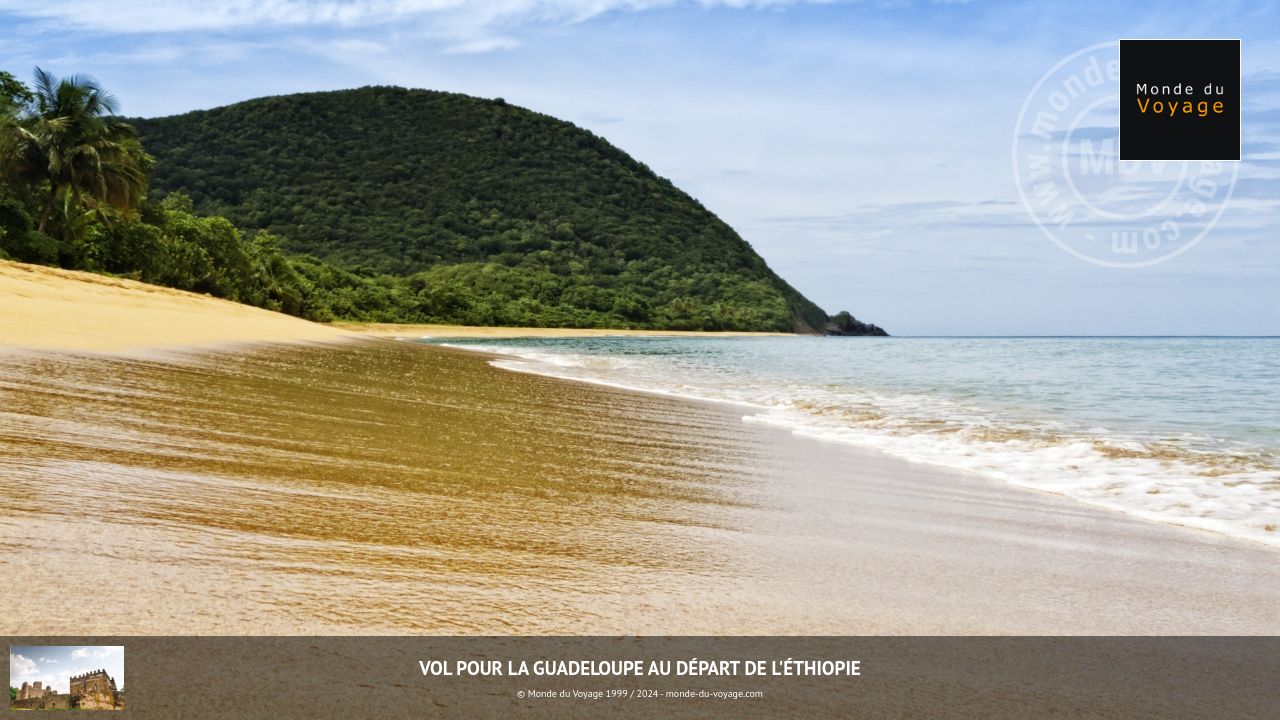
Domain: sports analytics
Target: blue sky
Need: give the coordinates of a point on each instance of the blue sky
(863, 148)
(54, 665)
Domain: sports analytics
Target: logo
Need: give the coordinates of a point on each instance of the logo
(1083, 196)
(1180, 99)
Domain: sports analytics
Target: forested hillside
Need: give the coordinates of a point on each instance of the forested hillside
(377, 205)
(485, 212)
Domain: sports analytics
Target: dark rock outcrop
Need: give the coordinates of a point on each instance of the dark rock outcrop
(842, 323)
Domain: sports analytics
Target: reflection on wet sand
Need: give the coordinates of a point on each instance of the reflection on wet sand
(381, 487)
(361, 486)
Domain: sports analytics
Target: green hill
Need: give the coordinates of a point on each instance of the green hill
(486, 212)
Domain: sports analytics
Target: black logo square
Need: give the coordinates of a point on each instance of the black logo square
(1179, 99)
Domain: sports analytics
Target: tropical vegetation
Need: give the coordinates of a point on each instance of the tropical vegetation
(377, 204)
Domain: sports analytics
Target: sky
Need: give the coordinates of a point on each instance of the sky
(865, 149)
(54, 665)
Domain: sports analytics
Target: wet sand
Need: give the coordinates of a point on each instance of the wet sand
(376, 487)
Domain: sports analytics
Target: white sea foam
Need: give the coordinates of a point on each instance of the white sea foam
(1186, 478)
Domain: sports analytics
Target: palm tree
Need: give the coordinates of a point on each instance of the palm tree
(68, 139)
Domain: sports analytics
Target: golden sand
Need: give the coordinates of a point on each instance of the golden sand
(370, 487)
(54, 309)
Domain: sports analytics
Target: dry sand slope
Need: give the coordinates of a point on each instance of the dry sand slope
(53, 309)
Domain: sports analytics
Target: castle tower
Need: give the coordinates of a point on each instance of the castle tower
(93, 683)
(95, 691)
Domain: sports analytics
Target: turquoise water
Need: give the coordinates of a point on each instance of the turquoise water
(1182, 430)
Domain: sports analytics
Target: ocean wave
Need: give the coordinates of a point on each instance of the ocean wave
(1190, 479)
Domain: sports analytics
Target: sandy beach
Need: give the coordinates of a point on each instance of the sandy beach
(370, 487)
(57, 309)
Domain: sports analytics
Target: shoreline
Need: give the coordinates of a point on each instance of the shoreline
(610, 511)
(418, 332)
(759, 413)
(47, 308)
(373, 487)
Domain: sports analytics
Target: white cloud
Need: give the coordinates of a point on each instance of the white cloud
(470, 26)
(21, 668)
(482, 45)
(61, 680)
(357, 45)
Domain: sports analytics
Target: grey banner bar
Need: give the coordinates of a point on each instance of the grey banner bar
(907, 677)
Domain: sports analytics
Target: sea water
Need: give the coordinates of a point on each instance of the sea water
(1180, 430)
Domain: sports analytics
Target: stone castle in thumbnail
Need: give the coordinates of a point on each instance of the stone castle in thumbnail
(31, 691)
(93, 683)
(91, 691)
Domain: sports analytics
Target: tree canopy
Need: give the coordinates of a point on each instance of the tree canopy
(65, 139)
(377, 205)
(512, 215)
